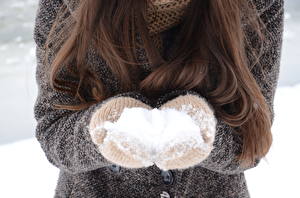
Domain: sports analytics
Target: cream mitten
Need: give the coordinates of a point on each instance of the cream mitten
(115, 148)
(187, 153)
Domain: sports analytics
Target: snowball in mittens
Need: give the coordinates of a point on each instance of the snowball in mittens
(155, 130)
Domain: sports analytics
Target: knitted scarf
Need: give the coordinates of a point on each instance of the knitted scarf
(162, 15)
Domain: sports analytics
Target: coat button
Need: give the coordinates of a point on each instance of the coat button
(115, 168)
(167, 176)
(165, 194)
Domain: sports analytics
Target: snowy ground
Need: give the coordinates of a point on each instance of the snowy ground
(24, 167)
(278, 177)
(25, 171)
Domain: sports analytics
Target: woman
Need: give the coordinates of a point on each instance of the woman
(94, 58)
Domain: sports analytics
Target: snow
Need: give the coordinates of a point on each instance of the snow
(156, 130)
(278, 175)
(25, 171)
(17, 69)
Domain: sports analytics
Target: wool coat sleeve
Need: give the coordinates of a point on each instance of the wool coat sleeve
(63, 134)
(228, 144)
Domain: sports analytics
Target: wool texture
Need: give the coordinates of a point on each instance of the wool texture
(163, 15)
(202, 113)
(132, 156)
(65, 137)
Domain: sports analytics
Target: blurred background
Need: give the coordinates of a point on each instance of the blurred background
(24, 170)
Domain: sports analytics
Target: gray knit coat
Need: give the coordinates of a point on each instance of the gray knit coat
(84, 172)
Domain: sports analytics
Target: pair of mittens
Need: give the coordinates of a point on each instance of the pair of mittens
(133, 154)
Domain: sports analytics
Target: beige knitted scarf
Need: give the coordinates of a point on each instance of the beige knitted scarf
(162, 15)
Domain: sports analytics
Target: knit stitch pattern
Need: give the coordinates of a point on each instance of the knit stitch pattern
(132, 155)
(203, 115)
(162, 15)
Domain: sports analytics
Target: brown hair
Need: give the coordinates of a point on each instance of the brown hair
(215, 58)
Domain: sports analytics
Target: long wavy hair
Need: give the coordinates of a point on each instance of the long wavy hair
(215, 58)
